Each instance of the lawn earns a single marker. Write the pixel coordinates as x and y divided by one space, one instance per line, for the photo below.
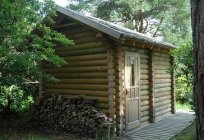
184 107
187 134
19 128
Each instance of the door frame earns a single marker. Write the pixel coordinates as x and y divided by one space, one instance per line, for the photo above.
128 53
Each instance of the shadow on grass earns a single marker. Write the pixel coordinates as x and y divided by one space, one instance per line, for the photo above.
187 134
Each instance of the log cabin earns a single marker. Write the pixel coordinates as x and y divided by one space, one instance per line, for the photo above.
126 72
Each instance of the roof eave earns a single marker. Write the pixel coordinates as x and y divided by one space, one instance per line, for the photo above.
91 23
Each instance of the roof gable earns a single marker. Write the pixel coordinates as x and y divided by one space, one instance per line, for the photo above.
113 30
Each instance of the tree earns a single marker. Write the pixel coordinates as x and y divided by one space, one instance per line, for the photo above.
197 7
26 41
183 68
156 17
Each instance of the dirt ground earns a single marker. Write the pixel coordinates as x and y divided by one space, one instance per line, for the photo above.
19 128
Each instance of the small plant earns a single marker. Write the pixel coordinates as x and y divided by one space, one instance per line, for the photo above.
13 99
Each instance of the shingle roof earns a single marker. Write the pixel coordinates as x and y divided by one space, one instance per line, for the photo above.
111 29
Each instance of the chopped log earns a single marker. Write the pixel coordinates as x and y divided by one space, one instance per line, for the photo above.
74 115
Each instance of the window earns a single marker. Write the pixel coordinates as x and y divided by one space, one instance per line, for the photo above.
132 71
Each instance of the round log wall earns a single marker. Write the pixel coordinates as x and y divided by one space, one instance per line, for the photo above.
88 71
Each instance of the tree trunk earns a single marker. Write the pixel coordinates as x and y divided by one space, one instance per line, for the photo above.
197 8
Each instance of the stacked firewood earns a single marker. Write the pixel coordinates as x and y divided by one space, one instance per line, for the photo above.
74 115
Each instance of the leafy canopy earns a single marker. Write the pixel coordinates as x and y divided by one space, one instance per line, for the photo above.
26 40
169 19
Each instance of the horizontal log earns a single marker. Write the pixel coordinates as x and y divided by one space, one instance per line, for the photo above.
84 81
144 114
145 119
155 58
100 100
144 56
144 87
145 123
165 89
162 94
77 69
144 103
81 75
162 98
80 46
162 85
144 82
102 106
77 87
162 112
161 63
78 64
74 30
145 108
86 39
163 107
144 77
144 92
86 57
163 116
144 71
64 53
82 35
157 81
112 111
86 63
143 61
159 54
162 103
160 67
161 72
143 98
77 92
144 66
166 76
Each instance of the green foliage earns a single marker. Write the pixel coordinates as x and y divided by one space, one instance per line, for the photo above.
26 41
155 17
14 99
184 106
184 72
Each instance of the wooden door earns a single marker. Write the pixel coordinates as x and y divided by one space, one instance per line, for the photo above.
132 80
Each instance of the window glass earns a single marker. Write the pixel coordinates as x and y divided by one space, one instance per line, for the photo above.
132 72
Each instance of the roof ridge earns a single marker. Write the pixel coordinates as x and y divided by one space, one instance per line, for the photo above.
112 29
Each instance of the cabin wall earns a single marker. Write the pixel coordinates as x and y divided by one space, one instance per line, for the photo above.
120 86
88 71
156 85
162 84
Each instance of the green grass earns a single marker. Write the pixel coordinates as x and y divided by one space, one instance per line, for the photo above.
23 137
187 134
184 107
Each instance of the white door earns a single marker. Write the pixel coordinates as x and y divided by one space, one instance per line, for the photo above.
132 80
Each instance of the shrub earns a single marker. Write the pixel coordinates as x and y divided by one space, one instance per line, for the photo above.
14 99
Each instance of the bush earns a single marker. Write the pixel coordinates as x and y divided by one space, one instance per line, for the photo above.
14 99
184 90
183 67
